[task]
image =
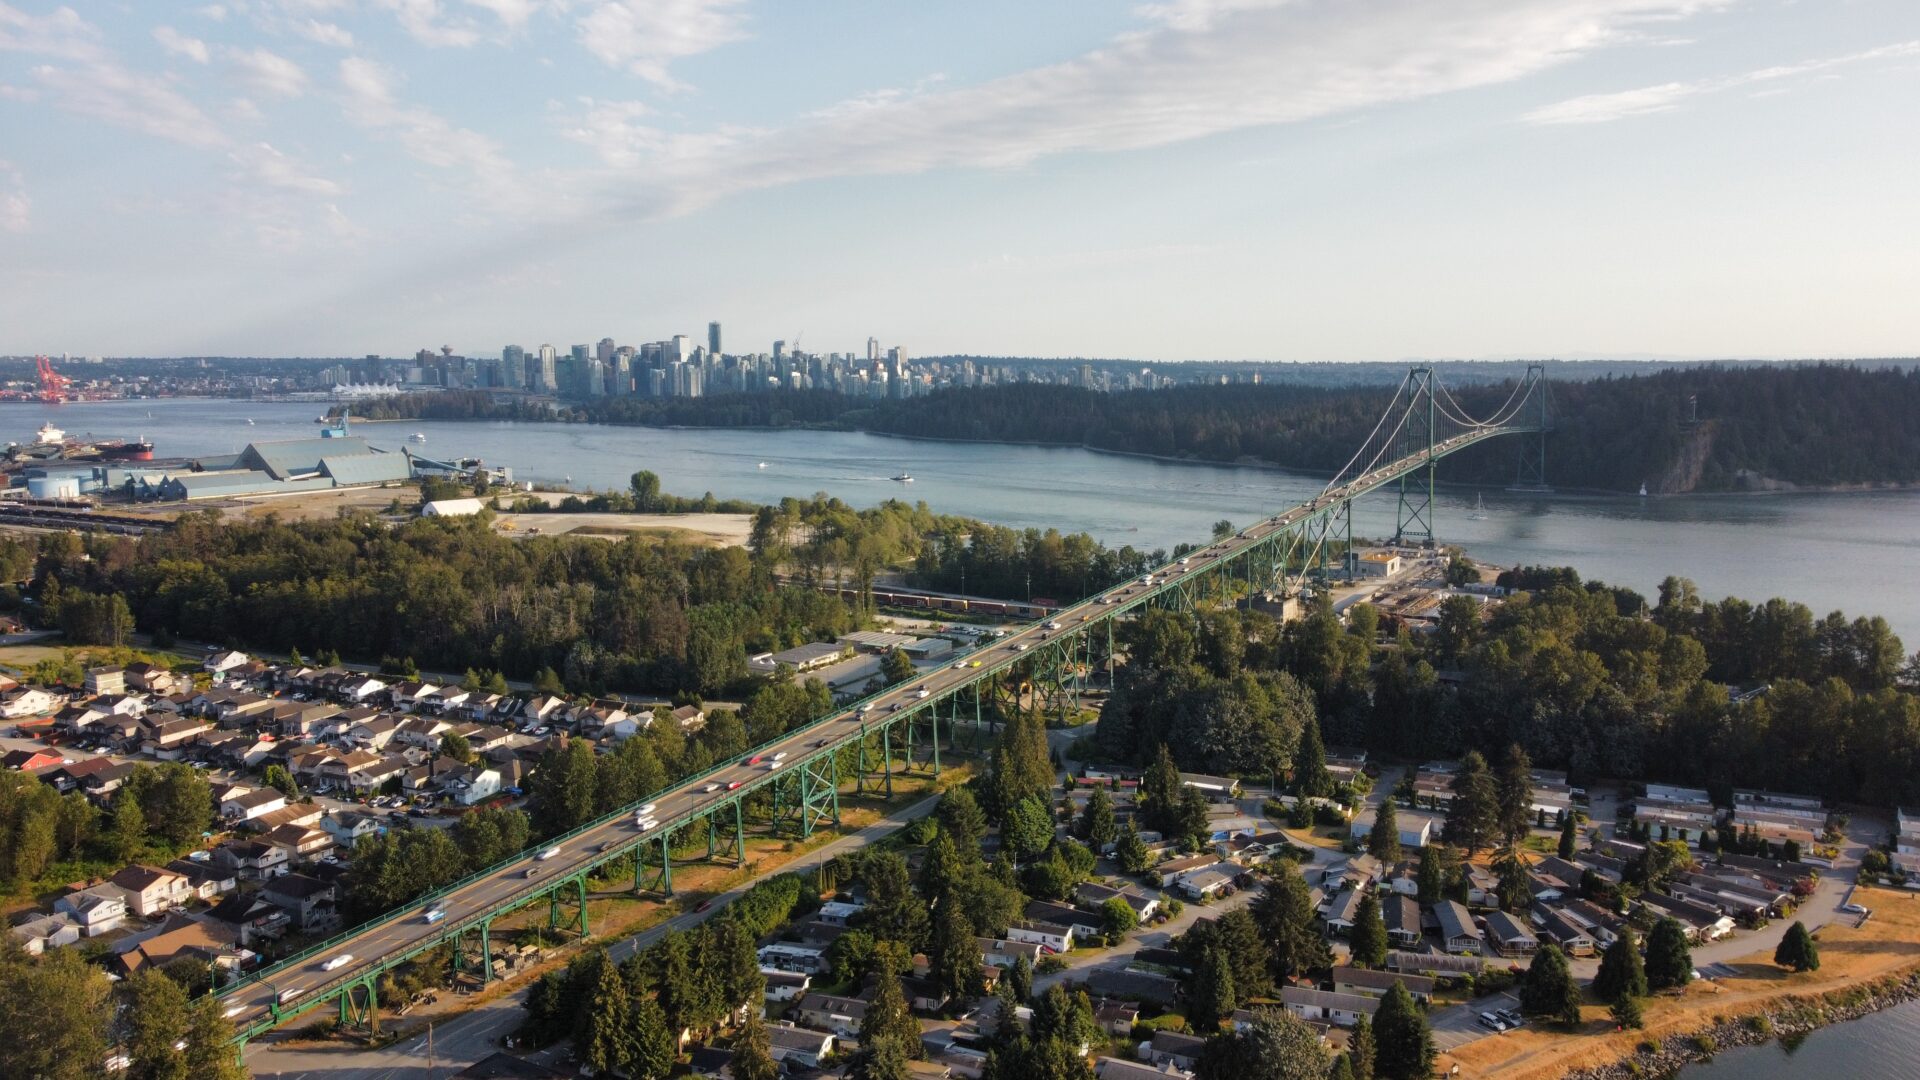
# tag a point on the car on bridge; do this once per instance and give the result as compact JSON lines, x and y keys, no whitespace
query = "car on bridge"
{"x":753,"y":759}
{"x":710,"y":788}
{"x":435,"y":915}
{"x":922,"y":692}
{"x":732,"y":784}
{"x":549,"y":853}
{"x":337,"y":962}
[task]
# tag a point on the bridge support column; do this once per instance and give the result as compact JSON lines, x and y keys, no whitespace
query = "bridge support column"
{"x":1414,"y":517}
{"x":886,"y":755}
{"x":1530,"y":472}
{"x":486,"y":951}
{"x":933,"y":717}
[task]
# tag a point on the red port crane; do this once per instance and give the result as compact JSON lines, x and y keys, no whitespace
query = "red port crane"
{"x":54,"y":387}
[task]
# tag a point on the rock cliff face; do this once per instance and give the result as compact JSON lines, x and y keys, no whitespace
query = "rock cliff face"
{"x":1683,"y":475}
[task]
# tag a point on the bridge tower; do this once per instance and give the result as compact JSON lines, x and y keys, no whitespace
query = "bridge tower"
{"x":1414,"y":517}
{"x":1530,"y":473}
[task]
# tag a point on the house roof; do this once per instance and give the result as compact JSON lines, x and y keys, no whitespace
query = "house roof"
{"x":139,"y":878}
{"x":1327,"y":999}
{"x":1381,"y":980}
{"x":1454,"y":921}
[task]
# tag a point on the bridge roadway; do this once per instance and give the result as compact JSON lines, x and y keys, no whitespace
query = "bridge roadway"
{"x":248,"y":1002}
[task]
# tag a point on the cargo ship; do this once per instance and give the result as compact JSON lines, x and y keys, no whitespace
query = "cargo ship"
{"x":52,"y":444}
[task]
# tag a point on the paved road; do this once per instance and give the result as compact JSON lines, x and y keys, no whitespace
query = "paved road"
{"x":461,"y":1040}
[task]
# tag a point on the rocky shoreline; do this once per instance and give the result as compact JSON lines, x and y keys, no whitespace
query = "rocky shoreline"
{"x":1783,"y":1018}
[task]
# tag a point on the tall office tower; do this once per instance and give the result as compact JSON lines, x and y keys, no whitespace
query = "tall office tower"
{"x":513,"y":366}
{"x":1086,"y":376}
{"x":620,"y":373}
{"x":682,"y":348}
{"x":713,"y":338}
{"x":656,"y":382}
{"x":603,"y":352}
{"x":548,"y":380}
{"x":594,"y":378}
{"x":779,"y":351}
{"x":581,"y":352}
{"x":873,"y":350}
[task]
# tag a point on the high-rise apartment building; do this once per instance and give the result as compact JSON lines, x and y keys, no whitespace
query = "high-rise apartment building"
{"x":713,"y":339}
{"x":603,"y":352}
{"x":548,"y":380}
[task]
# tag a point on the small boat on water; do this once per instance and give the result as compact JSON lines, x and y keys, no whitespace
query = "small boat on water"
{"x":763,"y":465}
{"x":417,"y":438}
{"x":905,"y":478}
{"x":1643,"y":489}
{"x":1479,"y":508}
{"x":249,"y":421}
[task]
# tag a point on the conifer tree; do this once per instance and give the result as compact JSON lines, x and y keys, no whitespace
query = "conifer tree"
{"x":1403,"y":1041}
{"x":1797,"y":949}
{"x":1669,"y":960}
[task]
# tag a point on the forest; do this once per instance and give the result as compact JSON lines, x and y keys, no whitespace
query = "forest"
{"x":1582,"y":676}
{"x":452,"y":595}
{"x":1697,"y":429}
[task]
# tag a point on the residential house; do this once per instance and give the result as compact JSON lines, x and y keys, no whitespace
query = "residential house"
{"x":798,"y":1048}
{"x":1109,"y":1068}
{"x":168,"y":739}
{"x":785,"y":985}
{"x":251,"y":860}
{"x":347,"y":827}
{"x":26,"y":701}
{"x":1437,"y":965}
{"x":1401,"y":914}
{"x":252,"y":804}
{"x":1344,"y":1010}
{"x":1509,"y":936}
{"x":1210,"y":881}
{"x":176,"y":938}
{"x":205,"y":880}
{"x":1368,"y":983}
{"x":1342,"y":910}
{"x":1702,"y":922}
{"x":106,"y":680}
{"x":1116,"y":1017}
{"x":250,"y":918}
{"x":1001,"y":953}
{"x":39,"y":932}
{"x":1172,"y":1048}
{"x":29,"y":760}
{"x":1415,"y":830}
{"x":708,"y":1061}
{"x":1458,"y":934}
{"x":1134,"y":985}
{"x":691,"y":718}
{"x":1084,"y":924}
{"x":150,"y":891}
{"x":475,"y":784}
{"x":301,"y":842}
{"x":308,"y":901}
{"x":790,"y":957}
{"x":1223,"y":786}
{"x":1049,"y":936}
{"x":1093,"y":897}
{"x":99,"y":910}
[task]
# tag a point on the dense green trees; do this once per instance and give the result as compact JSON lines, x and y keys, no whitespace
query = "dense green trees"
{"x":1473,"y":815}
{"x":1383,"y":839}
{"x":1275,"y":1045}
{"x":1621,"y":969}
{"x":1285,"y":915}
{"x":1669,"y":960}
{"x":1369,"y":937}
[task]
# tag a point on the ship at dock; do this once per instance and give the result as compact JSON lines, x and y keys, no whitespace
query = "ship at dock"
{"x":52,"y":444}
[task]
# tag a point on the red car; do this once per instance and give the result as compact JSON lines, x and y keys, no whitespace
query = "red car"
{"x":754,"y":760}
{"x":731,"y":784}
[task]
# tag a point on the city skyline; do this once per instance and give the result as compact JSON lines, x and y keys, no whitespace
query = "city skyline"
{"x":1193,"y":180}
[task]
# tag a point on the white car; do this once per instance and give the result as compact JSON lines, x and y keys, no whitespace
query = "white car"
{"x":1053,"y":624}
{"x":646,"y":810}
{"x":549,"y":853}
{"x":710,"y":788}
{"x":959,"y":665}
{"x":772,"y":765}
{"x":337,"y":962}
{"x":1854,"y":909}
{"x":781,"y":756}
{"x":923,"y":692}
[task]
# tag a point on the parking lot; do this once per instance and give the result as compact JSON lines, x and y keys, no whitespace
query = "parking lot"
{"x":1458,"y":1025}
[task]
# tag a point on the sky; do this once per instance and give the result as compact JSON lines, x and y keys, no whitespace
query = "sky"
{"x":1303,"y":180}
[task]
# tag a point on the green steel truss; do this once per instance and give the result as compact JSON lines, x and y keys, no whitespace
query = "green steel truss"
{"x":1308,"y":552}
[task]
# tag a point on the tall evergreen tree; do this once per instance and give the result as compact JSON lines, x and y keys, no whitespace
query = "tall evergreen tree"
{"x":1431,"y":881}
{"x":953,"y":956}
{"x":1548,"y":988}
{"x":1626,"y":1012}
{"x":1130,"y":851}
{"x":1310,"y":776}
{"x":1621,"y":969}
{"x":1516,"y":795}
{"x":1797,"y":949}
{"x":1210,"y":995}
{"x":1159,"y":801}
{"x":602,"y":1038}
{"x":962,"y":819}
{"x":1473,"y":815}
{"x":1383,"y":840}
{"x":1669,"y":959}
{"x":1096,"y":821}
{"x":1402,"y":1040}
{"x":653,"y":1048}
{"x":1285,"y":916}
{"x":887,"y":1017}
{"x":1020,"y":979}
{"x":1569,"y":835}
{"x":1360,"y":1049}
{"x":1275,"y":1045}
{"x":752,"y":1052}
{"x":1369,"y":937}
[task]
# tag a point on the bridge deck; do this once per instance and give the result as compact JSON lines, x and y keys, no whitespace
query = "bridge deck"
{"x":526,"y":878}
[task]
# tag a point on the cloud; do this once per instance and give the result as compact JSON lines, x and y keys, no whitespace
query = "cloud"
{"x":15,"y":209}
{"x":179,"y":44}
{"x":1619,"y":105}
{"x":371,"y":101}
{"x":61,"y":34}
{"x":268,"y":73}
{"x":427,"y":22}
{"x":215,"y":12}
{"x":324,"y":33}
{"x":1198,"y":68}
{"x":128,"y":99}
{"x":619,"y":133}
{"x":270,"y":168}
{"x":645,"y":36}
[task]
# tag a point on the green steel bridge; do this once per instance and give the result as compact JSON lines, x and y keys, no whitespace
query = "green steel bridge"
{"x":805,"y":770}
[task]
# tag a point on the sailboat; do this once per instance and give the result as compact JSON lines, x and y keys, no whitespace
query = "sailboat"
{"x":1643,"y":489}
{"x":1479,"y":508}
{"x":763,"y":465}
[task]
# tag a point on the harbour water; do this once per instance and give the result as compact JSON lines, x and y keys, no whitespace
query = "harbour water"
{"x":1856,"y":552}
{"x":1883,"y":1046}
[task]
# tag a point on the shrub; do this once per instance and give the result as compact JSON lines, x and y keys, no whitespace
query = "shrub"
{"x":1706,"y":1044}
{"x":1649,"y":1046}
{"x":1760,"y":1025}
